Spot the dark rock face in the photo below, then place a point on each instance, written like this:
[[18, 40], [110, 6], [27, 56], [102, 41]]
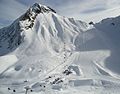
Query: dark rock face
[[12, 36], [36, 8], [51, 9], [32, 13]]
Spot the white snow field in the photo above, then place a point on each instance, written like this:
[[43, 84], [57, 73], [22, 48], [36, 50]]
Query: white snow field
[[45, 53]]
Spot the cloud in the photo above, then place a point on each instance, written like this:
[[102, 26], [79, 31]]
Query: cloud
[[86, 10], [79, 9], [28, 2], [93, 10], [10, 10]]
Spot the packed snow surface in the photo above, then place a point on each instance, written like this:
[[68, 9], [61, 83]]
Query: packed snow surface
[[44, 53]]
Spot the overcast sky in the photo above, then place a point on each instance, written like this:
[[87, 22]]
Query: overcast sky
[[80, 9]]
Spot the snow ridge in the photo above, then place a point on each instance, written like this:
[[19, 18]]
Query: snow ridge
[[12, 36]]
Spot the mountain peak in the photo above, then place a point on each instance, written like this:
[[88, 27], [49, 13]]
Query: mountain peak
[[33, 11], [38, 8], [43, 23]]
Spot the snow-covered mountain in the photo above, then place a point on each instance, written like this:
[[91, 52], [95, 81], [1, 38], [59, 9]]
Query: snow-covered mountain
[[44, 53]]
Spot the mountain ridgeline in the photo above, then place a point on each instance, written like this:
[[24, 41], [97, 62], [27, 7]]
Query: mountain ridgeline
[[11, 36], [39, 18]]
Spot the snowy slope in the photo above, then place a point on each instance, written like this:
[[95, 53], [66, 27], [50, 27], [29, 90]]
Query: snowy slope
[[44, 53]]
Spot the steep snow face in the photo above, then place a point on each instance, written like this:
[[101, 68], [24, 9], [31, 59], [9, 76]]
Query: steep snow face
[[110, 27], [40, 23], [12, 36], [56, 31], [58, 55]]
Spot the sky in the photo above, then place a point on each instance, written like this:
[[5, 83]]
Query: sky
[[85, 10]]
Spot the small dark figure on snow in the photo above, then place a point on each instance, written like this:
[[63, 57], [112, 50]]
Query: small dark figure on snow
[[91, 23], [67, 72], [113, 23], [8, 88], [14, 90]]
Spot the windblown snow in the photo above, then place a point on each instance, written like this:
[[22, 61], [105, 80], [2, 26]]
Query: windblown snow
[[44, 53]]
